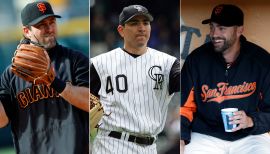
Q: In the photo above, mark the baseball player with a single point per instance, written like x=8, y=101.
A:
x=135, y=84
x=228, y=72
x=49, y=118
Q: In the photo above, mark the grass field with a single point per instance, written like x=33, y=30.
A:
x=7, y=150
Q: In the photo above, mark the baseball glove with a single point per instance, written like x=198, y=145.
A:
x=32, y=63
x=96, y=111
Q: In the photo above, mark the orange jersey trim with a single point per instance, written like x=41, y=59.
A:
x=189, y=107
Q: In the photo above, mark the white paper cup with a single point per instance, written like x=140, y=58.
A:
x=226, y=114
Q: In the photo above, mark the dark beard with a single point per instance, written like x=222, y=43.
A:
x=223, y=48
x=227, y=44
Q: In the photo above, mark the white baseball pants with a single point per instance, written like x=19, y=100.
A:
x=104, y=144
x=205, y=144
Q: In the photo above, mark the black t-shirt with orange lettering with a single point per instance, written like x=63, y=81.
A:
x=41, y=120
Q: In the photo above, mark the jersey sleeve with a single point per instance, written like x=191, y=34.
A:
x=94, y=80
x=261, y=118
x=188, y=105
x=5, y=94
x=174, y=81
x=81, y=70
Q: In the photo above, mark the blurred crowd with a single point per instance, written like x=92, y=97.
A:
x=104, y=17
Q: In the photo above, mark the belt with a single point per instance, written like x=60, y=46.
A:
x=132, y=138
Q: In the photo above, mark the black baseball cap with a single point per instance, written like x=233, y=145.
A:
x=34, y=12
x=226, y=15
x=131, y=11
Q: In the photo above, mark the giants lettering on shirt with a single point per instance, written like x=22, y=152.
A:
x=34, y=94
x=225, y=92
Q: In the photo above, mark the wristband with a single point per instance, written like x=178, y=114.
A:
x=58, y=85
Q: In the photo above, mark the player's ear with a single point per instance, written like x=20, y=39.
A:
x=26, y=31
x=120, y=29
x=240, y=30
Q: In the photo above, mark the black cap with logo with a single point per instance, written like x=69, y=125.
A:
x=226, y=15
x=131, y=11
x=34, y=12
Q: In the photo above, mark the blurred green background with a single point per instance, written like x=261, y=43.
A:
x=73, y=31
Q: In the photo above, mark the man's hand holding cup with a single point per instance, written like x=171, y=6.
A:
x=235, y=120
x=241, y=120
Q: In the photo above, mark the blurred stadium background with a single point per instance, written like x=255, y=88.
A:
x=73, y=31
x=164, y=37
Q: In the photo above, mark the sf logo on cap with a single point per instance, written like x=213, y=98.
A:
x=218, y=10
x=41, y=7
x=138, y=8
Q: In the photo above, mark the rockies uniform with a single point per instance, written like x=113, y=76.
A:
x=135, y=92
x=42, y=122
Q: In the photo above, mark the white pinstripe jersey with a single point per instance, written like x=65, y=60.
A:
x=134, y=90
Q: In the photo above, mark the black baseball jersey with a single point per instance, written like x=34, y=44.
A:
x=209, y=85
x=41, y=121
